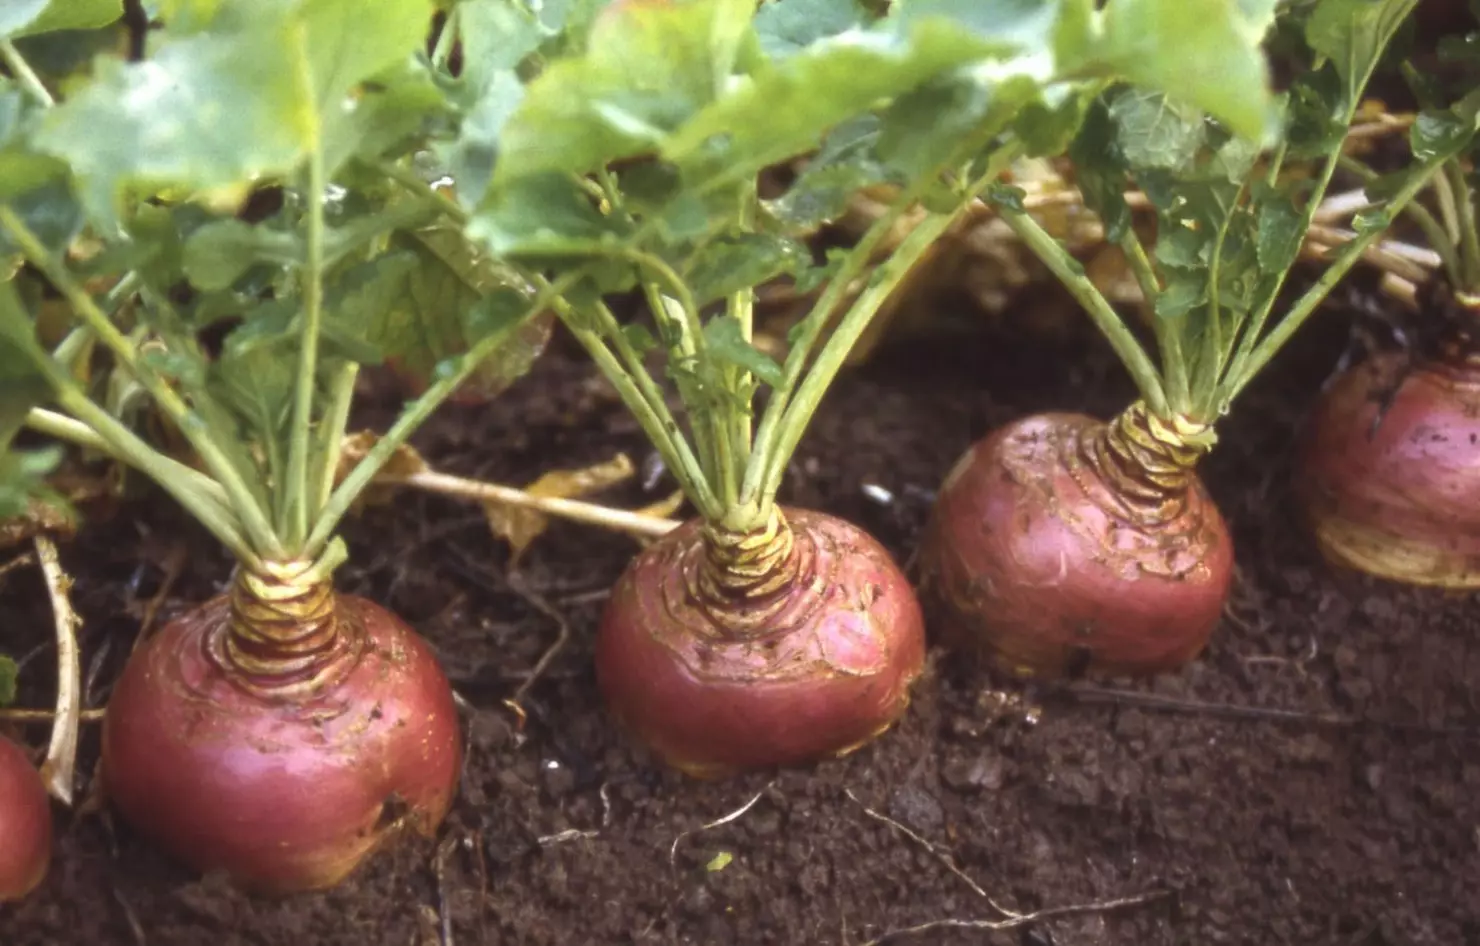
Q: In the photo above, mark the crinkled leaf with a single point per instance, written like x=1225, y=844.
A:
x=829, y=82
x=547, y=213
x=1352, y=34
x=30, y=17
x=451, y=299
x=731, y=263
x=470, y=159
x=392, y=107
x=1281, y=231
x=1153, y=131
x=926, y=126
x=228, y=106
x=496, y=36
x=21, y=168
x=723, y=337
x=1100, y=169
x=219, y=253
x=22, y=387
x=206, y=111
x=1206, y=53
x=51, y=212
x=1437, y=132
x=648, y=68
x=256, y=382
x=785, y=27
x=847, y=162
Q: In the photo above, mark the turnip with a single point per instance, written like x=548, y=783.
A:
x=281, y=731
x=25, y=824
x=1388, y=474
x=760, y=633
x=1064, y=544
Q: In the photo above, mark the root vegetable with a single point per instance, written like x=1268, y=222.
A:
x=1060, y=545
x=724, y=653
x=1395, y=492
x=25, y=824
x=281, y=734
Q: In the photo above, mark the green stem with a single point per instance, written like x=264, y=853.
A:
x=92, y=427
x=741, y=308
x=294, y=513
x=1216, y=354
x=1469, y=239
x=332, y=428
x=1168, y=331
x=811, y=327
x=1240, y=374
x=1433, y=230
x=445, y=40
x=646, y=397
x=830, y=359
x=1072, y=275
x=74, y=431
x=24, y=74
x=416, y=413
x=253, y=518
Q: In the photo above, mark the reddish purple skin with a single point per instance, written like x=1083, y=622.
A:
x=832, y=670
x=1402, y=501
x=1036, y=565
x=282, y=796
x=25, y=824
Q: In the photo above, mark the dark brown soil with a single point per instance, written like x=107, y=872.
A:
x=1262, y=831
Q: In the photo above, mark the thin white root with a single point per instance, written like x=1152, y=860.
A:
x=1012, y=923
x=60, y=768
x=606, y=517
x=732, y=816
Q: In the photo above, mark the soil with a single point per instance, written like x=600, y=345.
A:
x=1355, y=819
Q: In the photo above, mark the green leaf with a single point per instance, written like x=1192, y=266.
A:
x=1100, y=169
x=51, y=212
x=1204, y=53
x=30, y=17
x=1156, y=132
x=242, y=101
x=828, y=83
x=207, y=111
x=21, y=168
x=1352, y=34
x=8, y=673
x=544, y=214
x=723, y=337
x=1281, y=231
x=847, y=162
x=496, y=35
x=217, y=254
x=256, y=382
x=22, y=386
x=392, y=107
x=448, y=301
x=1440, y=132
x=649, y=67
x=471, y=158
x=739, y=261
x=786, y=27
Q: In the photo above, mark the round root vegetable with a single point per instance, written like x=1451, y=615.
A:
x=727, y=652
x=281, y=733
x=1394, y=491
x=25, y=824
x=1061, y=545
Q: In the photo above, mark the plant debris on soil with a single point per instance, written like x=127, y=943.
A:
x=1350, y=816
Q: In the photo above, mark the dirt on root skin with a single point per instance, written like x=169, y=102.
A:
x=1261, y=831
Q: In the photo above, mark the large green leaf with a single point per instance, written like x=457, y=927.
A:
x=648, y=69
x=1352, y=34
x=29, y=17
x=822, y=86
x=1204, y=53
x=245, y=99
x=22, y=387
x=445, y=301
